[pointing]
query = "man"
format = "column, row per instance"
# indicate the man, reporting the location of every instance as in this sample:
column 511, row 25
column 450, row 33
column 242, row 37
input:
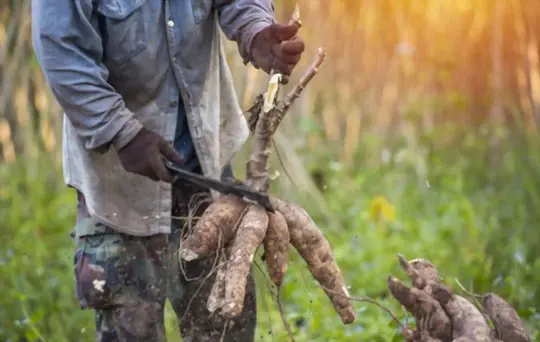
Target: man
column 140, row 81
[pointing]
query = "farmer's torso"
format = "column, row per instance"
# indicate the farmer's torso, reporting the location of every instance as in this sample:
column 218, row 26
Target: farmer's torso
column 148, row 46
column 165, row 58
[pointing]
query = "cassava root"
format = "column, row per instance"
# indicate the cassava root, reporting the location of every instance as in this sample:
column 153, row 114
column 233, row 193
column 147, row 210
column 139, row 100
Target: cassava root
column 444, row 316
column 217, row 226
column 289, row 224
column 250, row 235
column 313, row 247
column 276, row 247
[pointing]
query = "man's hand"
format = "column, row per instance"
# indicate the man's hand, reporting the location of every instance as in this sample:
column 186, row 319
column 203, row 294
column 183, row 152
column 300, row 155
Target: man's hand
column 277, row 47
column 145, row 155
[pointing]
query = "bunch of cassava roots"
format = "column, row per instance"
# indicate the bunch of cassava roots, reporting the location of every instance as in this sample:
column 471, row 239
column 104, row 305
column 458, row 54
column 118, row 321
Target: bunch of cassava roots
column 442, row 316
column 235, row 227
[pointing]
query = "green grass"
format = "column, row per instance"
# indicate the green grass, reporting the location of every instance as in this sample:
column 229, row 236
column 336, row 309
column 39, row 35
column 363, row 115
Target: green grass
column 479, row 224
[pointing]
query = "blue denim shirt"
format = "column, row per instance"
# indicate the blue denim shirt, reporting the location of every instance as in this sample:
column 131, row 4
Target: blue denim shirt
column 116, row 65
column 183, row 143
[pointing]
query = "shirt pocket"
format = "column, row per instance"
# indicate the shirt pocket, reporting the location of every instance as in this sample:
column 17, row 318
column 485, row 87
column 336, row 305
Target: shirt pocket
column 123, row 29
column 201, row 10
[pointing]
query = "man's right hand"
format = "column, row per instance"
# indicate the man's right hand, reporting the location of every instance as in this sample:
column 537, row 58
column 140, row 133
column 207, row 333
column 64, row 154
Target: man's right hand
column 277, row 47
column 145, row 155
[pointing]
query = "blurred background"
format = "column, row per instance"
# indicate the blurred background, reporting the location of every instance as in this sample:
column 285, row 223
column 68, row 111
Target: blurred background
column 418, row 136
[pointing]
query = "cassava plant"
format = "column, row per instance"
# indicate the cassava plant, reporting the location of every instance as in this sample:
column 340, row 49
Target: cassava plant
column 235, row 228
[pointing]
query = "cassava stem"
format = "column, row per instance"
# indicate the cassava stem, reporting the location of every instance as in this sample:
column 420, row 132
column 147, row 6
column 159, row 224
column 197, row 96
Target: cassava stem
column 283, row 106
column 257, row 167
column 272, row 112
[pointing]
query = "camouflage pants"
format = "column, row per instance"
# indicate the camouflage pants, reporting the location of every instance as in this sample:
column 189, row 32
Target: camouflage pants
column 127, row 279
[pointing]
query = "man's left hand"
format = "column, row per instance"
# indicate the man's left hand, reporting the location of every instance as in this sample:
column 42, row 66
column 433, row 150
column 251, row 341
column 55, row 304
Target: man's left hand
column 277, row 48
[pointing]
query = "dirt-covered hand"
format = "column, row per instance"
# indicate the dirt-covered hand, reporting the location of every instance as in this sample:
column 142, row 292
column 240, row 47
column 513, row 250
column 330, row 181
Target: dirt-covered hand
column 277, row 47
column 145, row 155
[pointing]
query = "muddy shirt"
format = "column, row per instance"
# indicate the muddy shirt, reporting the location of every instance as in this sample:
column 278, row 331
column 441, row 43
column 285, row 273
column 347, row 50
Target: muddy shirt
column 115, row 65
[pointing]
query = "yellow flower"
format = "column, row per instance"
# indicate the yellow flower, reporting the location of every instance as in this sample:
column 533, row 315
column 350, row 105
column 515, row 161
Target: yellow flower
column 381, row 210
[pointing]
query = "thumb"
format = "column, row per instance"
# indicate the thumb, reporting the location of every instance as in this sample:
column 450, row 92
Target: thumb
column 285, row 32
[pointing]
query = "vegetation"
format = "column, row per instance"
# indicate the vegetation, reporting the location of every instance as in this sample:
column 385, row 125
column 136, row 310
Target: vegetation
column 419, row 137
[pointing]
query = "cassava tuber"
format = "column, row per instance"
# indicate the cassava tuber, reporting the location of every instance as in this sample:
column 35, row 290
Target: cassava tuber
column 249, row 236
column 313, row 247
column 216, row 227
column 276, row 247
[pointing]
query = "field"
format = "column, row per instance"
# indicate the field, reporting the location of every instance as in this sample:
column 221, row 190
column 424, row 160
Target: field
column 399, row 146
column 441, row 204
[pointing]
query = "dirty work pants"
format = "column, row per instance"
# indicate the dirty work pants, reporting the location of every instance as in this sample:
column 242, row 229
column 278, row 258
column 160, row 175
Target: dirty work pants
column 126, row 280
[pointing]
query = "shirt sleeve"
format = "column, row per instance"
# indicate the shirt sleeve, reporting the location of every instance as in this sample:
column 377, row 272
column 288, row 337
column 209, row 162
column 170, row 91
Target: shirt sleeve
column 68, row 46
column 241, row 20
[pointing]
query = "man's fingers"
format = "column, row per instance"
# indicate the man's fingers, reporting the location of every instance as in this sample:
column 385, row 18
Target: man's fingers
column 285, row 32
column 282, row 67
column 285, row 57
column 161, row 170
column 170, row 153
column 294, row 46
column 266, row 68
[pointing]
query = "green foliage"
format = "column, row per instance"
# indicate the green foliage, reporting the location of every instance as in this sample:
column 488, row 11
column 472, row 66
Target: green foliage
column 433, row 197
column 36, row 217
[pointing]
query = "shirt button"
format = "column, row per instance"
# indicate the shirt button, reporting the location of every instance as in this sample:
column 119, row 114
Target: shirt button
column 170, row 23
